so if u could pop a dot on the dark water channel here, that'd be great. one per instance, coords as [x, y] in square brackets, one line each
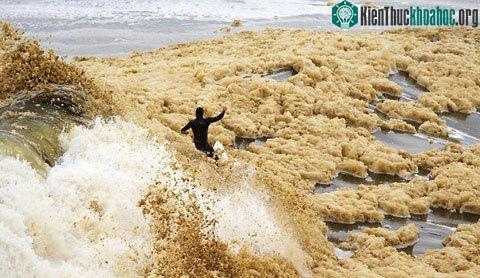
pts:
[437, 224]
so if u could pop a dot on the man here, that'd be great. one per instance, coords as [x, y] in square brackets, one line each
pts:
[200, 125]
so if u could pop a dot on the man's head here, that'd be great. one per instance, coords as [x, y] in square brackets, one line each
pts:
[199, 112]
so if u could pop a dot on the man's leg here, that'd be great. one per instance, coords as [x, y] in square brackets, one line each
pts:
[210, 152]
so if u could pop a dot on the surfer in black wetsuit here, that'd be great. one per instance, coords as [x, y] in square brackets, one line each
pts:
[200, 125]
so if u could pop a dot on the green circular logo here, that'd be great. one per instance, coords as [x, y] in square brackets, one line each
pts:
[344, 14]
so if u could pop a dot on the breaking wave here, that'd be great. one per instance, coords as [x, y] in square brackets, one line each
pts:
[83, 218]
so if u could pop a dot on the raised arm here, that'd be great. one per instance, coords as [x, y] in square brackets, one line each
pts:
[218, 117]
[186, 127]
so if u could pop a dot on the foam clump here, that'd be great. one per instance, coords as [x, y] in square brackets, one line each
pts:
[435, 129]
[353, 167]
[448, 154]
[26, 66]
[398, 125]
[409, 112]
[376, 256]
[460, 253]
[402, 237]
[453, 186]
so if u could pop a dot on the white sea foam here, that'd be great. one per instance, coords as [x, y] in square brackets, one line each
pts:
[81, 219]
[134, 11]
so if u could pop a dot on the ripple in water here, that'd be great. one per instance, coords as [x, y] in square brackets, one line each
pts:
[242, 143]
[411, 89]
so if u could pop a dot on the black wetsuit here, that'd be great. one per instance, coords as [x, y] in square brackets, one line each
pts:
[199, 127]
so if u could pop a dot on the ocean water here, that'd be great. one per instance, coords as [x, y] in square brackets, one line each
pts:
[119, 27]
